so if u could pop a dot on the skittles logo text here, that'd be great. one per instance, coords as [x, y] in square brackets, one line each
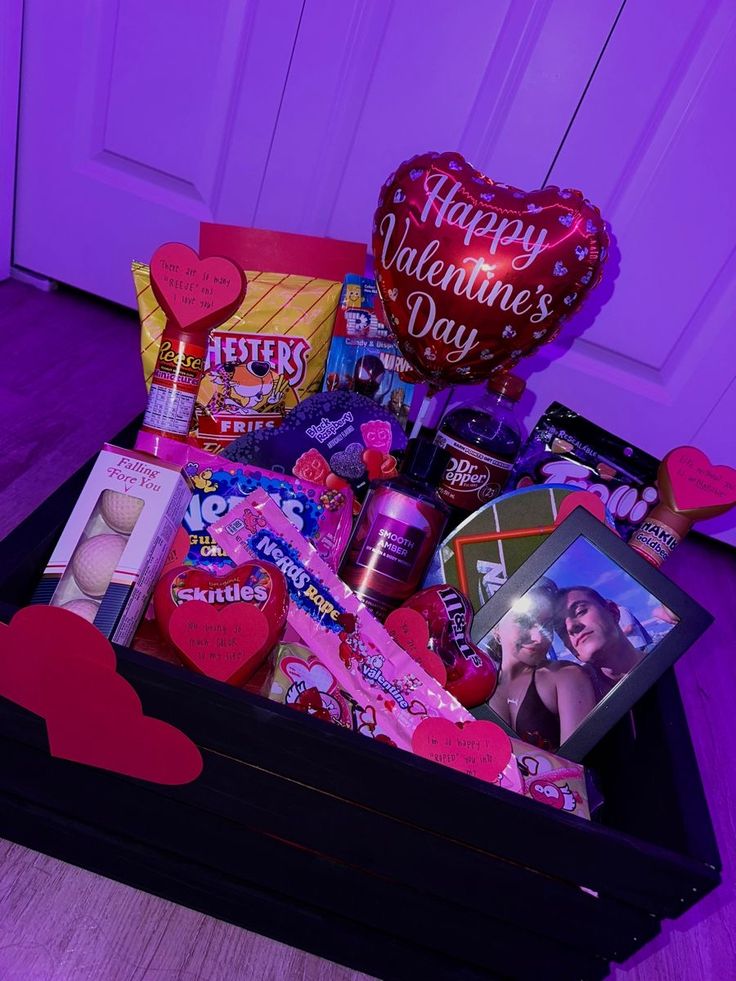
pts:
[231, 592]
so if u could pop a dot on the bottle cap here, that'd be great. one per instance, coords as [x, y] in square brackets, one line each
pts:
[502, 383]
[424, 461]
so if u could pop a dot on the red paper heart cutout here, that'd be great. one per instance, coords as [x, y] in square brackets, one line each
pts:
[693, 485]
[102, 724]
[60, 667]
[258, 584]
[475, 274]
[29, 680]
[481, 749]
[226, 644]
[409, 629]
[581, 499]
[447, 619]
[195, 293]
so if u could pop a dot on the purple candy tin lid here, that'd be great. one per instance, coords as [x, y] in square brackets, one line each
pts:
[331, 438]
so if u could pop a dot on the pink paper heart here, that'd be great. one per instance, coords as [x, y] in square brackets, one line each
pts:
[481, 749]
[227, 644]
[695, 484]
[195, 293]
[409, 629]
[581, 499]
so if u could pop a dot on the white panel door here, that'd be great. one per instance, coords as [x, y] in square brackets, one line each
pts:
[139, 120]
[373, 82]
[653, 355]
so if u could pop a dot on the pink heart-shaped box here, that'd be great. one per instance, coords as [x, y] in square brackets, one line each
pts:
[223, 625]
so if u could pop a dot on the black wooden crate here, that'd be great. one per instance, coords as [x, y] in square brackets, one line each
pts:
[356, 851]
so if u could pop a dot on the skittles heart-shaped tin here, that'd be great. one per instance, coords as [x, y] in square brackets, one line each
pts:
[223, 625]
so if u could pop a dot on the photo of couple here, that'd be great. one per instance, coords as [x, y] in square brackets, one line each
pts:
[568, 641]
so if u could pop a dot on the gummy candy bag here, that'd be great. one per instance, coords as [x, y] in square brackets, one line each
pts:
[337, 439]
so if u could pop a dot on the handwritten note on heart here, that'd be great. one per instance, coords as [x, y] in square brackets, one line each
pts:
[481, 749]
[691, 484]
[409, 629]
[581, 499]
[195, 293]
[60, 667]
[227, 644]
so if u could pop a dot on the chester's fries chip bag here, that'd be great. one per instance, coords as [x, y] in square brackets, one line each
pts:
[261, 362]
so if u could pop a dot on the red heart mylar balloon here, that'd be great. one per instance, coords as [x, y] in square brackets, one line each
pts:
[474, 275]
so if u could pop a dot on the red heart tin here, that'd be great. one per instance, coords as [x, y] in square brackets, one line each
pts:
[223, 625]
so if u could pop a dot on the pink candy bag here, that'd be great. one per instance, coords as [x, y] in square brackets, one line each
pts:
[364, 659]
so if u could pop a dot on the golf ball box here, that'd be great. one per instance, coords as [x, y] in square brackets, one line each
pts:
[115, 543]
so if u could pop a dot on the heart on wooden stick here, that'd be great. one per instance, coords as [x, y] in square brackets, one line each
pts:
[195, 293]
[690, 484]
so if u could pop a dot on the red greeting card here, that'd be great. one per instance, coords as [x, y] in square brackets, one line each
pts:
[282, 252]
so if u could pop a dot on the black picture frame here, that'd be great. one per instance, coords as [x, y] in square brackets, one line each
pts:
[693, 620]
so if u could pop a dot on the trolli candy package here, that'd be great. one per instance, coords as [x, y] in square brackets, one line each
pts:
[322, 515]
[358, 651]
[265, 358]
[333, 438]
[364, 356]
[566, 448]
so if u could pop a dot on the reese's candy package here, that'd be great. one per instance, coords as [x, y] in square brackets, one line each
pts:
[261, 362]
[566, 448]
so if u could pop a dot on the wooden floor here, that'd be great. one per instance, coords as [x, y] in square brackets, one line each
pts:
[71, 379]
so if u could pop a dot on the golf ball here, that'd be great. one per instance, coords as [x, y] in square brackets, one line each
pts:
[120, 511]
[85, 608]
[94, 562]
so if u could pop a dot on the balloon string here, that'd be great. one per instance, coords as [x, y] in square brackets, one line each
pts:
[431, 410]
